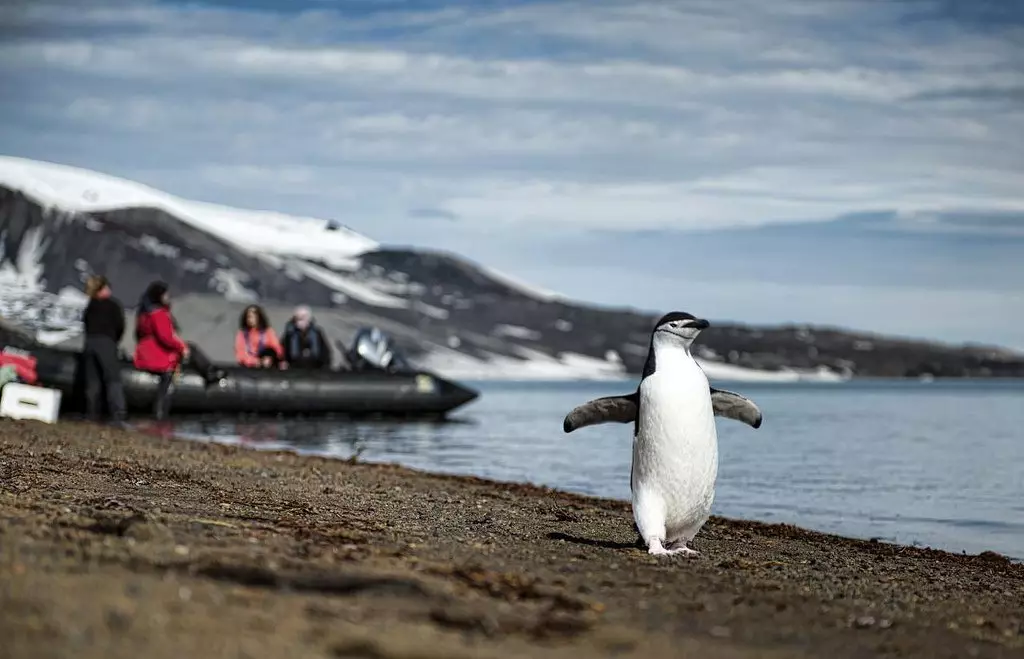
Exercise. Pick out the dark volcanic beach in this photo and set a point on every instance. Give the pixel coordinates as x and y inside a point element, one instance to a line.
<point>121,544</point>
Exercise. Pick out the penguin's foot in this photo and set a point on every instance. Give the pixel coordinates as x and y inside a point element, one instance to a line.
<point>655,547</point>
<point>679,548</point>
<point>683,551</point>
<point>658,550</point>
<point>675,549</point>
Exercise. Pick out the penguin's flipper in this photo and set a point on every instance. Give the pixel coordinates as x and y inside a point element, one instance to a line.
<point>734,406</point>
<point>620,409</point>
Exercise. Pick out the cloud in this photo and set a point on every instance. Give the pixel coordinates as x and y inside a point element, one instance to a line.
<point>540,123</point>
<point>736,128</point>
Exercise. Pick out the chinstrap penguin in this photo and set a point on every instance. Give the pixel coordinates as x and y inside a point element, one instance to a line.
<point>675,441</point>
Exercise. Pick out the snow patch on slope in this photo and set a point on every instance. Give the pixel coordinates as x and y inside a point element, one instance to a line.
<point>366,292</point>
<point>74,189</point>
<point>432,311</point>
<point>516,332</point>
<point>518,285</point>
<point>157,248</point>
<point>569,366</point>
<point>722,371</point>
<point>229,284</point>
<point>23,296</point>
<point>50,318</point>
<point>24,269</point>
<point>350,287</point>
<point>573,366</point>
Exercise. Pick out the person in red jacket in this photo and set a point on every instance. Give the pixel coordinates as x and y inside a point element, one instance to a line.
<point>159,349</point>
<point>256,343</point>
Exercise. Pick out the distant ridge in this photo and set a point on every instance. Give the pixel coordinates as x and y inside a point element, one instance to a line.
<point>58,224</point>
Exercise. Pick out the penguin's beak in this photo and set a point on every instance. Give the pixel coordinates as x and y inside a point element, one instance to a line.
<point>700,324</point>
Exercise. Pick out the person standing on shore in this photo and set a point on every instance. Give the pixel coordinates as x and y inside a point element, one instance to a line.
<point>103,320</point>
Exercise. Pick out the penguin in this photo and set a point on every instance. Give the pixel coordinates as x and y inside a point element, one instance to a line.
<point>675,441</point>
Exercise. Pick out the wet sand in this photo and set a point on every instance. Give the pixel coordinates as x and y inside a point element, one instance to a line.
<point>123,544</point>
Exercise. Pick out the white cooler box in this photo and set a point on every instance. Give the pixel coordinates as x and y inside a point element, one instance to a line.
<point>24,401</point>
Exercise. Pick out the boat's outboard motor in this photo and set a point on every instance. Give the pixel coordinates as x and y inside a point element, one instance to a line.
<point>373,350</point>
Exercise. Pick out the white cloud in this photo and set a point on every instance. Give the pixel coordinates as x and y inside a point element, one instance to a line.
<point>605,80</point>
<point>680,206</point>
<point>649,115</point>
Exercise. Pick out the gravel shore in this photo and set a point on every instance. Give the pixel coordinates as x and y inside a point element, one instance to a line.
<point>125,544</point>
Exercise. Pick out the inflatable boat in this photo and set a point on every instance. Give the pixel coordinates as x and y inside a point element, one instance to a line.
<point>247,391</point>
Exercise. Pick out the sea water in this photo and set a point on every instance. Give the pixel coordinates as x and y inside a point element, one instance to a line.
<point>937,464</point>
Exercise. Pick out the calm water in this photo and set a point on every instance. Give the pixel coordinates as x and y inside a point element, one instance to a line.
<point>939,464</point>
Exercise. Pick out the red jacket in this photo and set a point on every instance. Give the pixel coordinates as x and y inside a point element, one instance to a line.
<point>158,348</point>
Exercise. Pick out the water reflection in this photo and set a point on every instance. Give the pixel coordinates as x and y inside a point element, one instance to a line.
<point>379,440</point>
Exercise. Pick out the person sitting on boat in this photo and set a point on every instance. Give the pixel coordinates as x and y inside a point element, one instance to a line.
<point>254,337</point>
<point>103,320</point>
<point>304,343</point>
<point>159,349</point>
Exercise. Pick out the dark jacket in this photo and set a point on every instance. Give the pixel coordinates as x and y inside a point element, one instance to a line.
<point>104,317</point>
<point>305,349</point>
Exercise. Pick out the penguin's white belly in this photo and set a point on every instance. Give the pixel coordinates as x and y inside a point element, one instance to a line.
<point>675,453</point>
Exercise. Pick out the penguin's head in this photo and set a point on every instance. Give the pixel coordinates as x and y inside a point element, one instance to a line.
<point>679,327</point>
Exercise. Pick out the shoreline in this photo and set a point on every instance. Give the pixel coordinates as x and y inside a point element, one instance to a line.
<point>118,543</point>
<point>284,447</point>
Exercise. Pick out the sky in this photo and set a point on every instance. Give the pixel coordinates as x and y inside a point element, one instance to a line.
<point>857,163</point>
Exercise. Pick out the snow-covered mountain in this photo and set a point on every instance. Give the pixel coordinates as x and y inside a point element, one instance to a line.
<point>59,224</point>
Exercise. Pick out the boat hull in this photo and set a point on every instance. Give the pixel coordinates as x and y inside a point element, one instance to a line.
<point>247,391</point>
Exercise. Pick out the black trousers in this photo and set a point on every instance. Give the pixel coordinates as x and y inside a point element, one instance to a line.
<point>164,394</point>
<point>197,361</point>
<point>102,372</point>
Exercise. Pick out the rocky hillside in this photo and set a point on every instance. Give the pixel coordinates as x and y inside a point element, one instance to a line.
<point>57,225</point>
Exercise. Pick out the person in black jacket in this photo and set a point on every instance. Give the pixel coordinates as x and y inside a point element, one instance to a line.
<point>103,319</point>
<point>304,343</point>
